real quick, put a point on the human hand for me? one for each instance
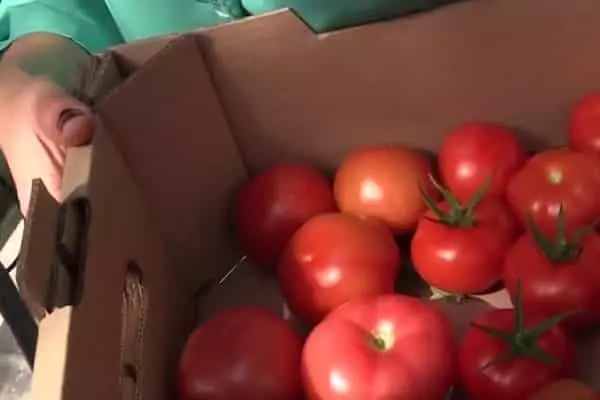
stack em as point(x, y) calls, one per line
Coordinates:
point(38, 122)
point(39, 119)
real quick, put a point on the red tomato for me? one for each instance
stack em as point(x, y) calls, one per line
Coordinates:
point(557, 277)
point(552, 178)
point(476, 152)
point(584, 124)
point(385, 347)
point(243, 353)
point(383, 182)
point(274, 204)
point(566, 389)
point(335, 258)
point(464, 257)
point(489, 372)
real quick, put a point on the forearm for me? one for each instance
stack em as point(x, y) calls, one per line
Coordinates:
point(48, 55)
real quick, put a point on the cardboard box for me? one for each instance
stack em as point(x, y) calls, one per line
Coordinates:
point(144, 235)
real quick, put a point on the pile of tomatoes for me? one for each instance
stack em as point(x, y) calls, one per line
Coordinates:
point(487, 213)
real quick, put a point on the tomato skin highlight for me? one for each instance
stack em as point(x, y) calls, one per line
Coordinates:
point(517, 378)
point(584, 124)
point(476, 152)
point(416, 362)
point(335, 258)
point(274, 204)
point(464, 260)
point(382, 182)
point(554, 177)
point(549, 288)
point(245, 352)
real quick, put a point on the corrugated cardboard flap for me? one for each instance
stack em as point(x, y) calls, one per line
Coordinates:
point(123, 318)
point(169, 125)
point(146, 194)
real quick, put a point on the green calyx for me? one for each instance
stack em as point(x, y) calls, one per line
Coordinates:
point(521, 341)
point(459, 215)
point(561, 249)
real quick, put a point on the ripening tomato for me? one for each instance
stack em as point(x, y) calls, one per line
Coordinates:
point(584, 125)
point(476, 152)
point(460, 249)
point(553, 178)
point(383, 182)
point(557, 275)
point(335, 258)
point(243, 353)
point(383, 347)
point(274, 204)
point(566, 389)
point(499, 361)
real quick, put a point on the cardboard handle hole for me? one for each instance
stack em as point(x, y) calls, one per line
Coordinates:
point(130, 372)
point(129, 385)
point(68, 270)
point(133, 324)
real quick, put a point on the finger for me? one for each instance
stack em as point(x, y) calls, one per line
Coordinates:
point(76, 127)
point(63, 119)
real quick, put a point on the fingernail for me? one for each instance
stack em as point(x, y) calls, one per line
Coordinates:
point(67, 115)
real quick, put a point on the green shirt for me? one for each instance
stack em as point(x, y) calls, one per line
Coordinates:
point(97, 24)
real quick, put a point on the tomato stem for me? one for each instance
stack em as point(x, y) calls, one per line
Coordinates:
point(522, 341)
point(561, 249)
point(439, 294)
point(378, 342)
point(381, 341)
point(460, 215)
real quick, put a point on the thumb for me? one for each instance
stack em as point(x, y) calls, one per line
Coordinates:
point(63, 119)
point(75, 126)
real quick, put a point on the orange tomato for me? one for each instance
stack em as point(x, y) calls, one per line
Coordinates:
point(382, 182)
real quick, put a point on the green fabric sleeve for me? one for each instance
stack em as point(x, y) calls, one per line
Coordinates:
point(86, 22)
point(327, 15)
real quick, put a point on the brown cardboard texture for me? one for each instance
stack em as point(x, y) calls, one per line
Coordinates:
point(195, 114)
